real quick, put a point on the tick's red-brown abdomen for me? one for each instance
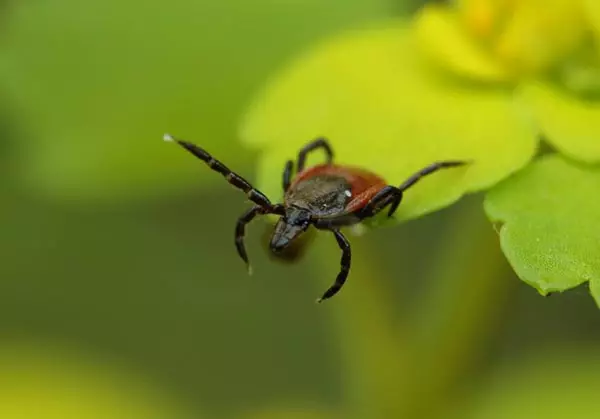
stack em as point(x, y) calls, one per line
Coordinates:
point(364, 184)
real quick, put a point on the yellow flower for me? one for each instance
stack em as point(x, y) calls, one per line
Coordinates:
point(520, 38)
point(477, 79)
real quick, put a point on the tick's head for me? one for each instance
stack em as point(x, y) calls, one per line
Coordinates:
point(291, 225)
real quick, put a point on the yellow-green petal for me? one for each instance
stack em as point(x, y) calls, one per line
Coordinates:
point(568, 122)
point(595, 290)
point(383, 110)
point(550, 215)
point(592, 9)
point(444, 41)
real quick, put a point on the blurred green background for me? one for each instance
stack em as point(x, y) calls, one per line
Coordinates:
point(121, 295)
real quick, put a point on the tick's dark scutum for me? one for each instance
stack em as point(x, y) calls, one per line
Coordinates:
point(322, 195)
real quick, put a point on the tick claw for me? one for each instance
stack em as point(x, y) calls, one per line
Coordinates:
point(319, 300)
point(250, 270)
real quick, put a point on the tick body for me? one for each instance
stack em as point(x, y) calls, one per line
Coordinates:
point(327, 196)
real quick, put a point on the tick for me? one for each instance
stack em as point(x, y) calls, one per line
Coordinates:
point(327, 196)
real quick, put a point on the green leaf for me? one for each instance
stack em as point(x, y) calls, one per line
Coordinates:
point(551, 223)
point(67, 384)
point(97, 84)
point(568, 122)
point(557, 384)
point(382, 109)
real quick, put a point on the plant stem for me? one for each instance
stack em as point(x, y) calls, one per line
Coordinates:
point(406, 370)
point(370, 345)
point(455, 319)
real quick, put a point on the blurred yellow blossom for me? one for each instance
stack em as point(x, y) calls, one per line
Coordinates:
point(469, 79)
point(522, 37)
point(548, 49)
point(527, 35)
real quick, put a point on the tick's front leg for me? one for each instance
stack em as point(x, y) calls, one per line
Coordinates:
point(345, 266)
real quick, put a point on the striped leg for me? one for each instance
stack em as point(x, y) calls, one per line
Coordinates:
point(314, 145)
point(390, 195)
point(287, 175)
point(236, 180)
point(345, 266)
point(240, 229)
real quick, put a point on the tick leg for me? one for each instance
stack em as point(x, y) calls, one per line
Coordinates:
point(314, 145)
point(287, 175)
point(345, 266)
point(434, 167)
point(383, 198)
point(386, 196)
point(394, 205)
point(240, 232)
point(240, 228)
point(236, 180)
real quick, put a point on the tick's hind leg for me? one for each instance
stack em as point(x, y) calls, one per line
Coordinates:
point(345, 267)
point(314, 145)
